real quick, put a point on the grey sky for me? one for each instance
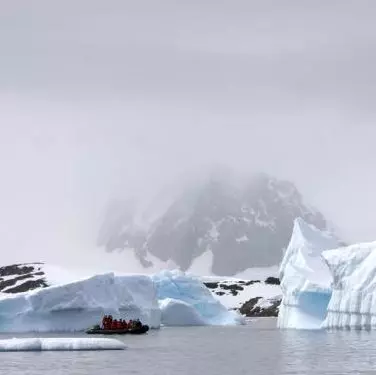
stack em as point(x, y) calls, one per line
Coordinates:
point(107, 98)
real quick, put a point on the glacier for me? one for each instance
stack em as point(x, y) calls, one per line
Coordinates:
point(168, 298)
point(306, 279)
point(59, 344)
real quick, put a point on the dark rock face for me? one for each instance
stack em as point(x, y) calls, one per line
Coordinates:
point(18, 278)
point(243, 227)
point(272, 281)
point(250, 308)
point(27, 286)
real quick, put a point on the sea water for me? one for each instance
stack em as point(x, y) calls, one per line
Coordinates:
point(258, 348)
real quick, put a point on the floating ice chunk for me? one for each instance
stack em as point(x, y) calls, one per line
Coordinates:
point(59, 344)
point(185, 300)
point(179, 313)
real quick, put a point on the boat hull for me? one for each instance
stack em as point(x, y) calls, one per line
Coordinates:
point(137, 331)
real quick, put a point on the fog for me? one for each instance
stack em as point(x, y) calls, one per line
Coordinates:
point(106, 99)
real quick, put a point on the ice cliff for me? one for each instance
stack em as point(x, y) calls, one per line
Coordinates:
point(166, 298)
point(325, 285)
point(305, 278)
point(353, 300)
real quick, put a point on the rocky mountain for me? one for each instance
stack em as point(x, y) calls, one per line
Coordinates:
point(240, 225)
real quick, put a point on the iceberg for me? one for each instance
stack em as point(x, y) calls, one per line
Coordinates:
point(185, 300)
point(306, 278)
point(353, 300)
point(168, 298)
point(59, 344)
point(76, 306)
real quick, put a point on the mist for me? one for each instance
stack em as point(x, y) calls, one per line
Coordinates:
point(116, 99)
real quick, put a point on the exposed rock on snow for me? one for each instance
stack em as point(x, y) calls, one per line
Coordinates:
point(243, 295)
point(261, 307)
point(19, 278)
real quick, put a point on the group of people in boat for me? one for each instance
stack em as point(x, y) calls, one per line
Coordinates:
point(108, 323)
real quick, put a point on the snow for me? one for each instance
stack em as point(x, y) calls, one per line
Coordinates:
point(353, 301)
point(191, 301)
point(264, 303)
point(59, 344)
point(259, 289)
point(305, 278)
point(242, 239)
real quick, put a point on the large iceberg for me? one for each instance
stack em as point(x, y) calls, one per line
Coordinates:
point(353, 300)
point(169, 298)
point(184, 300)
point(76, 306)
point(305, 278)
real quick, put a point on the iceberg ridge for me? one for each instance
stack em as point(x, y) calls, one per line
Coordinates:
point(305, 278)
point(169, 298)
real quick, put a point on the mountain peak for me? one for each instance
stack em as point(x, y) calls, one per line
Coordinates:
point(243, 224)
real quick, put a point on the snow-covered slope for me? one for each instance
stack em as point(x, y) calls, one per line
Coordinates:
point(305, 278)
point(353, 300)
point(75, 305)
point(235, 293)
point(215, 228)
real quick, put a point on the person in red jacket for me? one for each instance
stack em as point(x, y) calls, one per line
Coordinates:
point(104, 322)
point(114, 324)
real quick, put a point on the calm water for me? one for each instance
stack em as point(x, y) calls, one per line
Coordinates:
point(258, 349)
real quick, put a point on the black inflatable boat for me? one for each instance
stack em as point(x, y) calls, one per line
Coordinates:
point(135, 331)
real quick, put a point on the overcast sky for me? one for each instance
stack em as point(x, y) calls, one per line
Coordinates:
point(106, 98)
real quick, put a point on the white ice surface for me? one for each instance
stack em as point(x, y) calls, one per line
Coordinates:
point(353, 301)
point(177, 291)
point(179, 313)
point(305, 278)
point(78, 305)
point(59, 344)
